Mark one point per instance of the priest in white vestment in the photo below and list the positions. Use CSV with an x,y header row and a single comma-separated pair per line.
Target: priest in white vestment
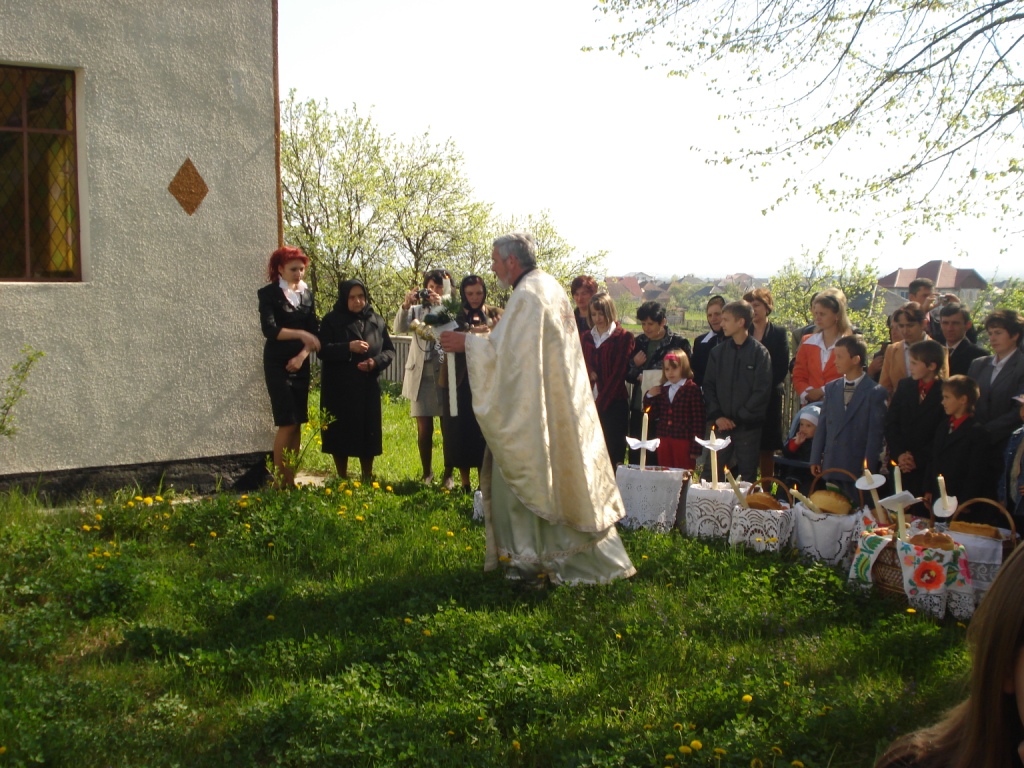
x,y
550,498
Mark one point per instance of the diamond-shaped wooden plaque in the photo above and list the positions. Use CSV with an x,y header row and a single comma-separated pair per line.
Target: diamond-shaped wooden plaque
x,y
188,187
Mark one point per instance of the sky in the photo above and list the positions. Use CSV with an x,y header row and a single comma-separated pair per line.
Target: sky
x,y
605,145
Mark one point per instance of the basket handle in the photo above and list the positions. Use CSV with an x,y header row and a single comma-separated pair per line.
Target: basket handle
x,y
765,483
961,507
848,473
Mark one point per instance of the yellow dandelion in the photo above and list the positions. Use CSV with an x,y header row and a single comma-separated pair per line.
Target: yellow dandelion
x,y
451,733
480,717
86,527
407,620
139,498
348,492
911,610
130,504
670,756
677,726
98,501
98,517
243,504
468,549
270,617
747,698
450,533
357,485
618,636
213,534
504,559
360,518
434,528
643,557
696,745
756,763
648,727
777,751
375,486
366,506
515,745
192,544
328,491
785,683
248,527
445,491
106,554
270,544
388,488
165,527
719,751
797,764
426,633
686,750
342,510
167,515
148,501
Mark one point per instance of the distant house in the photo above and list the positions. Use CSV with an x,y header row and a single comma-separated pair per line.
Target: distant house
x,y
965,283
624,288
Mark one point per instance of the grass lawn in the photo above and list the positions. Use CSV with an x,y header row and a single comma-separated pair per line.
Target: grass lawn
x,y
353,626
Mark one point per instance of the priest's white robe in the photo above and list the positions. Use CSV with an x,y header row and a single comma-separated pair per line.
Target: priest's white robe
x,y
550,498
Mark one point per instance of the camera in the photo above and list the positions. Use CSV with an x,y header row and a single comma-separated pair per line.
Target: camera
x,y
423,295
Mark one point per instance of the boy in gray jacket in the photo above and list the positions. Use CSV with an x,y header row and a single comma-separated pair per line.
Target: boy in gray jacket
x,y
737,388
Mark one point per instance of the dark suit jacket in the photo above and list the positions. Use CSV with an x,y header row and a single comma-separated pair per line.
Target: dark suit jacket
x,y
910,426
702,353
961,358
997,411
961,457
846,436
776,341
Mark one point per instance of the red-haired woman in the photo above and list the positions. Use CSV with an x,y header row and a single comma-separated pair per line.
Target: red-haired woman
x,y
288,320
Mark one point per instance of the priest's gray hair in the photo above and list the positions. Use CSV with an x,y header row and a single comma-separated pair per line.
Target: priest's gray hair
x,y
518,244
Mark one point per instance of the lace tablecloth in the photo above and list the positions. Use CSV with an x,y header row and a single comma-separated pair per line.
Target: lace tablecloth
x,y
762,529
933,579
651,496
825,537
708,511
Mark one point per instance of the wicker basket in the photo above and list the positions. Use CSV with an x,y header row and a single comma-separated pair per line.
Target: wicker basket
x,y
887,573
1008,544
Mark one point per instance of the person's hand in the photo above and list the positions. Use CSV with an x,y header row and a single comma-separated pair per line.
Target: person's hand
x,y
593,377
366,366
310,342
433,298
816,470
906,462
800,438
653,391
296,362
453,341
358,347
639,359
875,366
723,424
412,297
814,395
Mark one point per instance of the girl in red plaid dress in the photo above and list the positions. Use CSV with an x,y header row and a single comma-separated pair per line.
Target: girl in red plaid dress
x,y
677,411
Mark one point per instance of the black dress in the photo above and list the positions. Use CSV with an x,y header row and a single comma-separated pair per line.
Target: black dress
x,y
776,341
289,391
351,396
463,441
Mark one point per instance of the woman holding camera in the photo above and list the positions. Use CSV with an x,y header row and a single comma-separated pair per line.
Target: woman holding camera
x,y
422,367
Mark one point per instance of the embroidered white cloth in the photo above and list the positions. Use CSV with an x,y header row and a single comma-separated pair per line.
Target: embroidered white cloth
x,y
825,537
709,512
762,529
651,495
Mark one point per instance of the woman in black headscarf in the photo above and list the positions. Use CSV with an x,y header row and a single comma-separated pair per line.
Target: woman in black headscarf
x,y
464,443
354,348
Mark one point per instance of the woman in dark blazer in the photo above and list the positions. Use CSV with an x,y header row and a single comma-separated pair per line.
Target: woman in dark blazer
x,y
288,321
776,341
354,348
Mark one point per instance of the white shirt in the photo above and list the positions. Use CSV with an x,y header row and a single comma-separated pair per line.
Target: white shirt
x,y
601,338
673,388
998,365
294,297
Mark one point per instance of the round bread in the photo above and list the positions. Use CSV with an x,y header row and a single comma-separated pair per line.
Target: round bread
x,y
977,529
762,501
933,540
832,502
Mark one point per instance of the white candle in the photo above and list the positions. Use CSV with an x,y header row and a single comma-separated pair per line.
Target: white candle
x,y
879,514
806,502
643,439
714,463
901,521
740,498
942,492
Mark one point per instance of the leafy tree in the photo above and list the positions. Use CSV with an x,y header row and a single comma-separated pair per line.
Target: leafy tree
x,y
795,284
936,85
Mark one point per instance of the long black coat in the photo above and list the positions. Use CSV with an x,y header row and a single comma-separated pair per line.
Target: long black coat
x,y
910,426
961,457
351,396
776,341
